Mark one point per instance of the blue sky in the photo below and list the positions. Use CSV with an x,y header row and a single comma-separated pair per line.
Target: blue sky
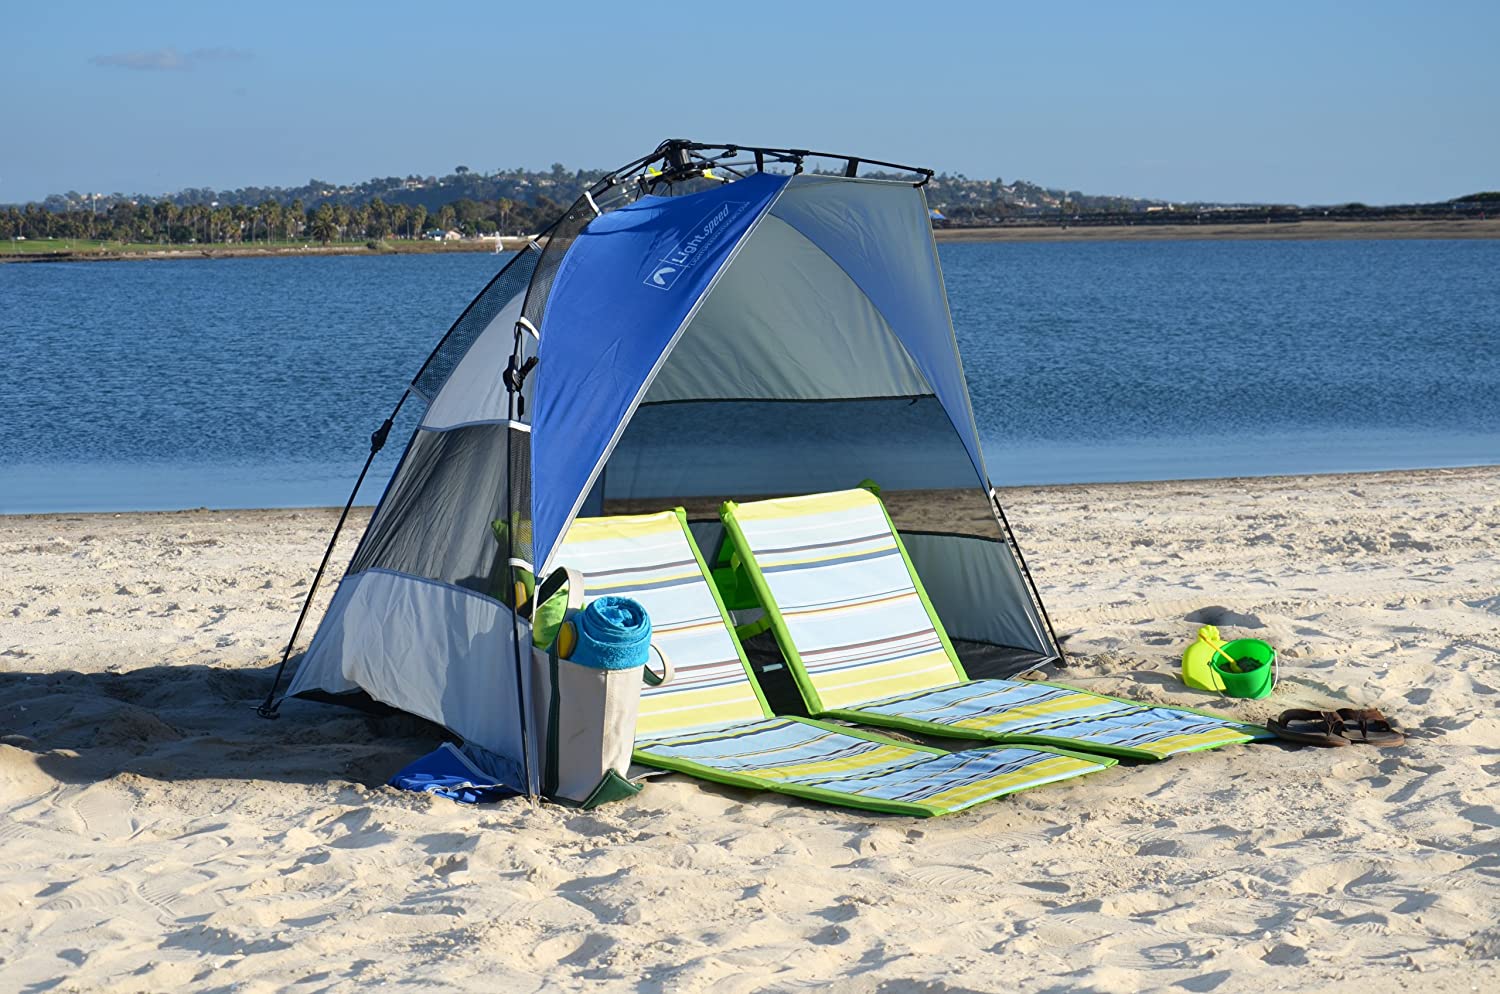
x,y
1311,102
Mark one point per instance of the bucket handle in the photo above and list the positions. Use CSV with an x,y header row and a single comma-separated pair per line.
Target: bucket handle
x,y
653,680
1275,668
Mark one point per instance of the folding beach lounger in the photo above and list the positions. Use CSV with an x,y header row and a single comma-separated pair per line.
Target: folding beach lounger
x,y
711,721
864,643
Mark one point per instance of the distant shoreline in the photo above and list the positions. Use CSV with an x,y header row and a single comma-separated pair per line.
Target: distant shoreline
x,y
400,246
1468,228
1277,231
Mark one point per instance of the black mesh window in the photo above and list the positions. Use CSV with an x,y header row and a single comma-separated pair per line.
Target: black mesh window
x,y
436,518
501,290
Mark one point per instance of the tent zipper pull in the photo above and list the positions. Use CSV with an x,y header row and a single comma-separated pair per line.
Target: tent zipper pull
x,y
515,379
379,435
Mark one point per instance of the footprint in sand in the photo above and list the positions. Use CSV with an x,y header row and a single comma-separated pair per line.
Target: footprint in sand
x,y
572,948
104,811
180,894
91,894
943,877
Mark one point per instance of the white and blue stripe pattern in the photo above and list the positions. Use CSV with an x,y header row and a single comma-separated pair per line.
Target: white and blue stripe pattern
x,y
843,591
1004,707
794,753
648,558
709,721
867,647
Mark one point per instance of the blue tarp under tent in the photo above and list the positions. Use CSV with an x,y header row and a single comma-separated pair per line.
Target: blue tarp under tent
x,y
706,323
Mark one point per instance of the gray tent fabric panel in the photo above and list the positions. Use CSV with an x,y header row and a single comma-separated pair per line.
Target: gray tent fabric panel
x,y
740,449
434,521
879,233
784,322
475,390
437,651
977,589
322,666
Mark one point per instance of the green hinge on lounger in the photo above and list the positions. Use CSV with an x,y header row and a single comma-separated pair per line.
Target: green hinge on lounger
x,y
864,643
711,721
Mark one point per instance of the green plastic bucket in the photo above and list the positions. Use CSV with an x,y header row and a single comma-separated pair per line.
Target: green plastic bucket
x,y
1253,673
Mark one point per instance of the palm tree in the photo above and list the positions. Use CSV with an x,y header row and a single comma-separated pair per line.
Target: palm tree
x,y
192,219
272,213
378,224
243,221
223,221
165,213
341,218
325,224
359,220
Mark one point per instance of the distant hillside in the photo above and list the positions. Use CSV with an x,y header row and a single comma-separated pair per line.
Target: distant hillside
x,y
560,186
525,201
523,186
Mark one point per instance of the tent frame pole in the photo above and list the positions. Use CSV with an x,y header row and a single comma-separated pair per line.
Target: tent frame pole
x,y
1031,587
513,395
681,162
270,707
514,378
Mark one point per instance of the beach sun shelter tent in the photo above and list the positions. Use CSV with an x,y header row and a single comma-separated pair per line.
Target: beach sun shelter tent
x,y
709,322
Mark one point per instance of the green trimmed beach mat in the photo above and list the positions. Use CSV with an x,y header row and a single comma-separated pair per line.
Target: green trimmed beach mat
x,y
711,720
864,644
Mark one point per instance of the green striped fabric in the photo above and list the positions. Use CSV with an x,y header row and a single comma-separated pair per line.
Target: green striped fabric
x,y
710,721
652,559
865,645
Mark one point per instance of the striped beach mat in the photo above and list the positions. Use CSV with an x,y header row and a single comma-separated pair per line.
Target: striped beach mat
x,y
864,643
827,762
711,721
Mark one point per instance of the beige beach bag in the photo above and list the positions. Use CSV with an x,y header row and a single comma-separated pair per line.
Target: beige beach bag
x,y
583,716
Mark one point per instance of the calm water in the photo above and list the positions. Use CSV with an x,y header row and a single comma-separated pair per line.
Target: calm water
x,y
255,382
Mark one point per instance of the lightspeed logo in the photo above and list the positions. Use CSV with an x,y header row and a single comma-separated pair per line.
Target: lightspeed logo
x,y
703,236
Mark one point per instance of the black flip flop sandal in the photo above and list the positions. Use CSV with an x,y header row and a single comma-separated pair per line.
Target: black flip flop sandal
x,y
1370,727
1319,728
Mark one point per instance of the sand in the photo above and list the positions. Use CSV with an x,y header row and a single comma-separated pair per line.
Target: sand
x,y
159,836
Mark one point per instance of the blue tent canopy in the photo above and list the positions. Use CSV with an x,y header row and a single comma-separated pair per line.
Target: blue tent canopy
x,y
634,279
624,292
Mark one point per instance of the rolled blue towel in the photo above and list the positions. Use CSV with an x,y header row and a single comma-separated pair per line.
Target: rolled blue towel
x,y
614,633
